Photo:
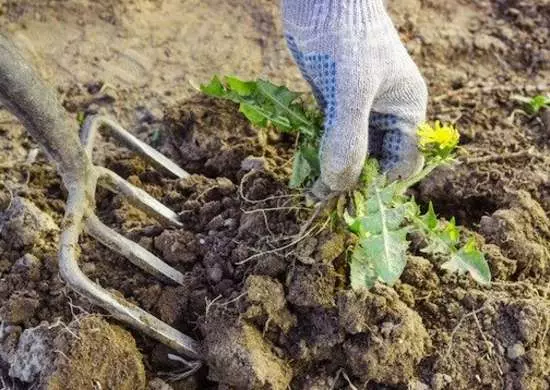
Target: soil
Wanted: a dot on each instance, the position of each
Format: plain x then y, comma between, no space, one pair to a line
272,313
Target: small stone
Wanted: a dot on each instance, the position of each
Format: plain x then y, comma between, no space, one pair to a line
24,224
515,351
441,381
88,268
215,273
215,223
253,163
34,354
225,186
229,222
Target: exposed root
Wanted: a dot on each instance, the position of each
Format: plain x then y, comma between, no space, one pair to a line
248,200
530,153
457,327
296,241
488,344
191,367
342,373
214,301
62,354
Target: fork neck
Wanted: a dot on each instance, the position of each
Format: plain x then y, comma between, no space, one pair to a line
36,105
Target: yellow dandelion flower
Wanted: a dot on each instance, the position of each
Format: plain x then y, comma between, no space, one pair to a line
442,137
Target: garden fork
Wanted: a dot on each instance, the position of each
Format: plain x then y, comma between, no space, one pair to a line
24,94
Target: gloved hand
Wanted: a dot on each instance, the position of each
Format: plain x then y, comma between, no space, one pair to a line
370,90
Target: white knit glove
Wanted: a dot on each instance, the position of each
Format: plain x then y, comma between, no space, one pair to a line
371,92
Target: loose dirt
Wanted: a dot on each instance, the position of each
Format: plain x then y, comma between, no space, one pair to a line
274,313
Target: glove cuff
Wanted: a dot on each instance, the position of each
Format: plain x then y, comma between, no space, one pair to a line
332,15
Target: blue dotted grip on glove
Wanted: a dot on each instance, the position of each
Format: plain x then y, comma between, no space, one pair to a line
385,139
319,70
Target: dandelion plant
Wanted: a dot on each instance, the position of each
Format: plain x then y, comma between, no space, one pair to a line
380,214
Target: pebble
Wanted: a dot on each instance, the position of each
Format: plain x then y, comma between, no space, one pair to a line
214,273
515,351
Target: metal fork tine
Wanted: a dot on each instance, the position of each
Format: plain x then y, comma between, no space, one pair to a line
36,105
138,255
118,307
94,123
137,197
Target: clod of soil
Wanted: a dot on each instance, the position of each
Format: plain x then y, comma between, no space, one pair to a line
24,224
95,354
522,231
88,353
239,356
267,303
33,355
387,338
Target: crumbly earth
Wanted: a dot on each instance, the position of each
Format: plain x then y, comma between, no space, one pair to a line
271,313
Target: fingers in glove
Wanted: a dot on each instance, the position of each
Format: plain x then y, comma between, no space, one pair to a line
392,141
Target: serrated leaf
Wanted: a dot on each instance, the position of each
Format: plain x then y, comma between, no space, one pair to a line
253,114
430,218
538,102
384,246
392,219
450,234
214,88
413,210
387,252
354,224
362,273
267,105
395,216
436,246
300,170
369,172
282,100
240,87
379,196
472,260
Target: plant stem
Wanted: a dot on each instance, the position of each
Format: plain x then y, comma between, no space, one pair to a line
404,185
